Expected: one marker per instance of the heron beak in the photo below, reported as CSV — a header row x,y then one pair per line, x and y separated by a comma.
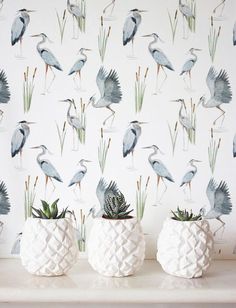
x,y
147,35
149,147
87,49
142,11
31,122
30,11
33,148
197,49
87,161
35,35
143,123
174,100
197,161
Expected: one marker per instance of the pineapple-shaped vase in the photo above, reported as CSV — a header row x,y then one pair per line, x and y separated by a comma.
x,y
184,248
48,246
116,247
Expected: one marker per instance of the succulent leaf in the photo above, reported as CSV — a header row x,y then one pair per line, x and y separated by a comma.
x,y
49,211
185,215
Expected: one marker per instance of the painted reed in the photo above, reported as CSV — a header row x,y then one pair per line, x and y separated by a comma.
x,y
193,120
82,20
82,232
102,39
173,135
192,20
213,149
103,148
139,87
82,117
29,196
28,88
173,24
141,197
62,24
61,132
213,38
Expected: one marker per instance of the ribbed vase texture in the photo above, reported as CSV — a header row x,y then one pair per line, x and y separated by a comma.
x,y
116,247
185,248
48,246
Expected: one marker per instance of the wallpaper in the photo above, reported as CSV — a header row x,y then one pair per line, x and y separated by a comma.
x,y
140,93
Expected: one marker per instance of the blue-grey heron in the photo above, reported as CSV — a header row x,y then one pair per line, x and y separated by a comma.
x,y
234,146
75,11
19,26
131,26
189,64
159,168
220,91
79,64
79,175
159,57
19,138
186,13
220,202
109,88
184,120
46,166
234,34
190,174
72,120
131,137
4,89
103,192
48,58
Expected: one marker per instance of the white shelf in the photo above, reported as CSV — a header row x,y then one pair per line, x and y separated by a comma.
x,y
149,285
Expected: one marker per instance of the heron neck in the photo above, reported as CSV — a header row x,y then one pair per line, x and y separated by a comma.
x,y
43,40
193,166
150,157
83,55
69,109
152,43
194,56
40,155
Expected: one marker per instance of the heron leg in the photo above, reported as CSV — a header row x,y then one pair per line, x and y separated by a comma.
x,y
158,70
53,78
111,115
45,78
158,182
21,159
74,78
220,227
164,80
132,47
190,79
164,191
222,115
46,183
21,53
132,160
54,187
190,190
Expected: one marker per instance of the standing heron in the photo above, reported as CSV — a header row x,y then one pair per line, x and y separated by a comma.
x,y
234,146
131,138
19,26
109,88
79,64
187,13
19,138
72,120
131,25
48,58
234,34
104,192
79,175
220,202
185,121
220,91
76,13
190,174
46,166
4,88
159,168
159,57
189,64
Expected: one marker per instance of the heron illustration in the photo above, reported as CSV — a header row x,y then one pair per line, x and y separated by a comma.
x,y
4,89
220,202
48,58
72,120
104,192
46,166
79,175
131,137
19,26
110,92
234,34
160,170
19,138
220,91
79,64
159,57
234,146
131,25
189,175
185,121
75,11
189,64
187,13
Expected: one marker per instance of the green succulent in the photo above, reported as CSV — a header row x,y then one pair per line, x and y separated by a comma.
x,y
49,211
115,207
185,215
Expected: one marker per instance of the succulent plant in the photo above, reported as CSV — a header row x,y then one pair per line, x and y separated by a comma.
x,y
185,215
49,211
115,207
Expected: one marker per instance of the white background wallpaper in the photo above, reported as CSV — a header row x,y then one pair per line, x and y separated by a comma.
x,y
157,110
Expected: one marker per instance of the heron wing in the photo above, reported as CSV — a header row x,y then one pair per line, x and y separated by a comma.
x,y
76,10
100,190
77,177
129,141
17,141
77,66
112,91
188,177
4,88
4,200
234,34
188,65
18,29
210,192
50,170
161,170
76,122
129,30
210,80
101,76
222,199
111,191
50,59
234,146
162,59
223,91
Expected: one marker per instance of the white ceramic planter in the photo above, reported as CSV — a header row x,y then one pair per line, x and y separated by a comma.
x,y
48,246
184,248
116,247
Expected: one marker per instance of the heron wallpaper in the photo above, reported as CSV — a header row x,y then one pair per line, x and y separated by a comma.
x,y
138,92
